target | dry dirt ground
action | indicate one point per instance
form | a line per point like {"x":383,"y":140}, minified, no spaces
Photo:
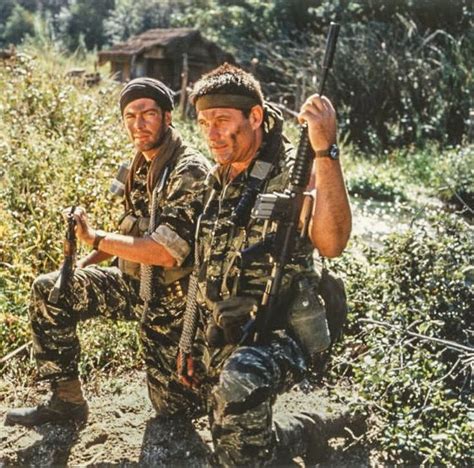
{"x":123,"y":431}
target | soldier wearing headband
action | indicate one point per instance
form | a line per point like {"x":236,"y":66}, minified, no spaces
{"x":153,"y":251}
{"x":244,"y":135}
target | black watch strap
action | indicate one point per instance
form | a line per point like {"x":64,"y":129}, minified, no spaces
{"x":331,"y":152}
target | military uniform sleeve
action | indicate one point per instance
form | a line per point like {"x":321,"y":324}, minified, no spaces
{"x":181,"y":206}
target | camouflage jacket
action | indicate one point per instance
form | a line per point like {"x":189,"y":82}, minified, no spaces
{"x":180,"y":203}
{"x":220,"y":242}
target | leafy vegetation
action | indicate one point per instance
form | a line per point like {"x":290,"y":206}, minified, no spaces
{"x":61,"y":143}
{"x":420,"y":282}
{"x":402,"y":73}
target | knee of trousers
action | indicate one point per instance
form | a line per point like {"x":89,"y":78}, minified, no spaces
{"x":39,"y":293}
{"x":248,"y":379}
{"x":42,"y":285}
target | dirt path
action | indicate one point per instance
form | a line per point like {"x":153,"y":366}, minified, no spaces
{"x":122,"y":430}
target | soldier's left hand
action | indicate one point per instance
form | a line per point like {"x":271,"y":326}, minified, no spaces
{"x":320,"y":115}
{"x":84,"y":232}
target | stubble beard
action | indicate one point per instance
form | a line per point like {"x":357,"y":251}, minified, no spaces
{"x":153,"y":144}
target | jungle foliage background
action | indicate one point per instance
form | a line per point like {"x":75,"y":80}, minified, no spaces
{"x":402,"y":84}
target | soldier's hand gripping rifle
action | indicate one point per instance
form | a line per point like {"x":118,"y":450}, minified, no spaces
{"x":69,"y":249}
{"x":286,"y":208}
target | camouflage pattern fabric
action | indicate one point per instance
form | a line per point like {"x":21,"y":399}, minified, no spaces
{"x":249,"y":380}
{"x":161,"y":326}
{"x":107,"y":292}
{"x":92,"y":292}
{"x":220,"y":241}
{"x":139,"y":194}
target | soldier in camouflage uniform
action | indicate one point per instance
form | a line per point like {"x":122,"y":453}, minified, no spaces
{"x":244,"y":135}
{"x":165,"y":182}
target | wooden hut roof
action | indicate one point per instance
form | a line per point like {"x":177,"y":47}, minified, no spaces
{"x":173,"y":40}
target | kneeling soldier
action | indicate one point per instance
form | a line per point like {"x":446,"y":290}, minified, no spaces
{"x":163,"y":190}
{"x":244,"y":134}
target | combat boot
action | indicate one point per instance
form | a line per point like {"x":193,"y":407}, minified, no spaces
{"x":67,"y":404}
{"x":321,"y":427}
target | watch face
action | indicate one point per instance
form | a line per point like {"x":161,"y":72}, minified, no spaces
{"x":334,"y":152}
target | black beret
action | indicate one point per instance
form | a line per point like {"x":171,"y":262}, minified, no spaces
{"x":147,"y":88}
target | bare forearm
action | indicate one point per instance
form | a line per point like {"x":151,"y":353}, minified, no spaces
{"x":136,"y":249}
{"x":331,"y":222}
{"x":94,"y":257}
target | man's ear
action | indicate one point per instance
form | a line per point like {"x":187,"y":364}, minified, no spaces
{"x":168,"y":118}
{"x":256,"y":116}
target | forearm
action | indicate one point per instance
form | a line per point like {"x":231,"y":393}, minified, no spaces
{"x":331,"y":220}
{"x":94,"y":257}
{"x":136,"y":249}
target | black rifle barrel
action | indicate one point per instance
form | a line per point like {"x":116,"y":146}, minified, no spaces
{"x":287,"y":230}
{"x":329,"y":53}
{"x":302,"y":169}
{"x":69,"y":248}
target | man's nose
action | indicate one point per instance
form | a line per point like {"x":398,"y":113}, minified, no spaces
{"x":213,"y":133}
{"x":139,"y":122}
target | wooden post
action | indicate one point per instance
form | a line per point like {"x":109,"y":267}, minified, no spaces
{"x":253,"y":66}
{"x":184,"y":84}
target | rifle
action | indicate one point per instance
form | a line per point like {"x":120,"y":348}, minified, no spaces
{"x":69,"y":249}
{"x":286,"y":208}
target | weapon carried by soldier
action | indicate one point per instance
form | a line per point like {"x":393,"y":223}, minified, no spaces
{"x":286,"y":208}
{"x":69,"y":249}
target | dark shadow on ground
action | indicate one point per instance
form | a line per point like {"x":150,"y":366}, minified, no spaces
{"x":52,"y":450}
{"x":173,"y":442}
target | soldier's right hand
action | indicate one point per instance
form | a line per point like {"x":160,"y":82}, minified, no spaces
{"x":84,"y":232}
{"x":185,"y":368}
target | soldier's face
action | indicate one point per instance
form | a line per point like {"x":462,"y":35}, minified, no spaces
{"x":145,"y":123}
{"x":231,"y":137}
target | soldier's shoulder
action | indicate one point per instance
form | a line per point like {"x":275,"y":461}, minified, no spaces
{"x":192,"y":160}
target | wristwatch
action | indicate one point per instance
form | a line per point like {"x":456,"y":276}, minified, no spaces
{"x":331,"y":152}
{"x":99,"y":235}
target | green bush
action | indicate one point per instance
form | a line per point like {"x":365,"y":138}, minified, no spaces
{"x":447,"y":172}
{"x":402,"y":70}
{"x":377,"y":181}
{"x":418,"y":390}
{"x":60,"y":144}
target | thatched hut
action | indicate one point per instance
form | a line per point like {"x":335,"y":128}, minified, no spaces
{"x":159,"y":53}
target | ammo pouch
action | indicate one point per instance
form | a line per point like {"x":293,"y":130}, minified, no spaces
{"x":331,"y":289}
{"x":228,"y":318}
{"x":317,"y":311}
{"x":131,"y":225}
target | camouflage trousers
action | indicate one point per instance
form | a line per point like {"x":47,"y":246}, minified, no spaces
{"x":242,"y":424}
{"x":105,"y":292}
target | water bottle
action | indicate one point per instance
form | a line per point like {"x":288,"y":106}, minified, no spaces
{"x":307,"y":319}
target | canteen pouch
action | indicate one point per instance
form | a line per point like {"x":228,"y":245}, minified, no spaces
{"x":307,"y":316}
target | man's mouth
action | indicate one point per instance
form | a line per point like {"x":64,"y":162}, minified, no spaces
{"x":218,"y":147}
{"x":141,"y":137}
